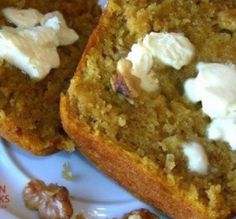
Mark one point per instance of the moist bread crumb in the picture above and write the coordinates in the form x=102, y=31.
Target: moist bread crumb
x=29, y=110
x=146, y=154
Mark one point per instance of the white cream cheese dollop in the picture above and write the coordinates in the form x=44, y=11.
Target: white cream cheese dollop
x=56, y=21
x=142, y=62
x=173, y=49
x=23, y=18
x=215, y=87
x=197, y=158
x=224, y=129
x=29, y=56
x=33, y=49
x=40, y=35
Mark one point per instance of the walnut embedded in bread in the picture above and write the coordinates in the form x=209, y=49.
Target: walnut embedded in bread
x=140, y=214
x=52, y=201
x=124, y=82
x=119, y=85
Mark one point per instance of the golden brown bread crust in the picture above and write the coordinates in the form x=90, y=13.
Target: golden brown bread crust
x=29, y=111
x=143, y=181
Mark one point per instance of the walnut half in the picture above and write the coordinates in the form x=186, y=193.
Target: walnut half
x=124, y=82
x=52, y=201
x=140, y=214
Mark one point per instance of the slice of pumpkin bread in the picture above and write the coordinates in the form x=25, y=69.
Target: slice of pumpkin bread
x=132, y=110
x=29, y=109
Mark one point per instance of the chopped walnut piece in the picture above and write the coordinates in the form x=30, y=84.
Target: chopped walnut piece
x=124, y=82
x=119, y=86
x=33, y=193
x=51, y=201
x=140, y=214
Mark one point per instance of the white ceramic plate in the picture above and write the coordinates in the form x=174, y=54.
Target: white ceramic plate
x=94, y=194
